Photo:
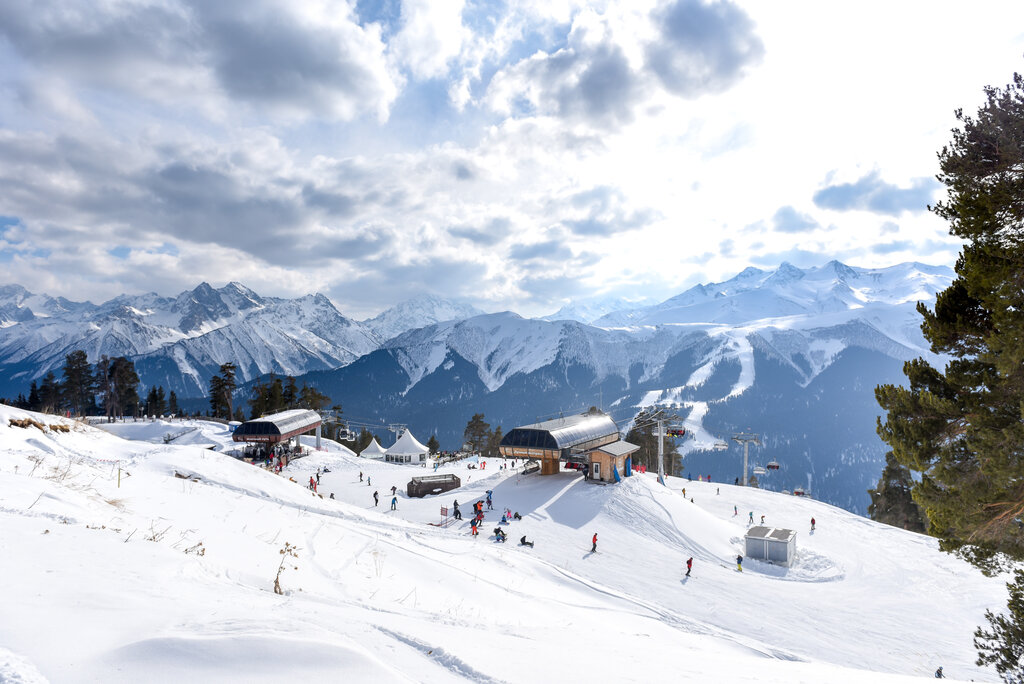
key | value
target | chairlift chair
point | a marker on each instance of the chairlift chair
(758, 470)
(772, 465)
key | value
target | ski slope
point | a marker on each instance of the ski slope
(106, 583)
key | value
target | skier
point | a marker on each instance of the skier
(490, 505)
(593, 549)
(689, 566)
(739, 563)
(375, 497)
(318, 476)
(394, 502)
(367, 480)
(751, 521)
(735, 511)
(393, 490)
(684, 492)
(523, 542)
(812, 529)
(762, 520)
(939, 675)
(472, 524)
(360, 475)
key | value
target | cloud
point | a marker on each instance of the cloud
(278, 57)
(703, 47)
(550, 250)
(789, 220)
(871, 193)
(431, 36)
(607, 69)
(894, 246)
(493, 232)
(602, 211)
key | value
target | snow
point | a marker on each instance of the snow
(103, 582)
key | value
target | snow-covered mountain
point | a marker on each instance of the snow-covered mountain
(177, 342)
(791, 354)
(590, 310)
(418, 312)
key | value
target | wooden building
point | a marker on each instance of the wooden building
(609, 461)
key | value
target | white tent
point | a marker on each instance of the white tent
(407, 450)
(373, 450)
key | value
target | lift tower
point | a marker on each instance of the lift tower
(745, 438)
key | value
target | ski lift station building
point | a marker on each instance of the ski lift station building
(279, 427)
(772, 544)
(591, 438)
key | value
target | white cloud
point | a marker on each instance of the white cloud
(431, 36)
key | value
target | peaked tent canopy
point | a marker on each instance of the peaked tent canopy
(373, 450)
(407, 450)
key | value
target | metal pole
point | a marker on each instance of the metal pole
(661, 451)
(745, 439)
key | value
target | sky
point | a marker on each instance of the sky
(513, 155)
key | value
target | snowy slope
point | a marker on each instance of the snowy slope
(112, 576)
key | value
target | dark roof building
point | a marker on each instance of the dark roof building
(277, 427)
(559, 439)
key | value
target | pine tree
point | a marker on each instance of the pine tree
(891, 500)
(476, 433)
(33, 397)
(78, 383)
(172, 404)
(311, 398)
(493, 442)
(222, 389)
(962, 429)
(49, 393)
(1003, 645)
(291, 393)
(433, 446)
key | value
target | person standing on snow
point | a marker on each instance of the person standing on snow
(735, 511)
(751, 521)
(393, 488)
(593, 549)
(457, 513)
(375, 497)
(689, 566)
(739, 563)
(394, 502)
(312, 483)
(812, 529)
(360, 475)
(762, 520)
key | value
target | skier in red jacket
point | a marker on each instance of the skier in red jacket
(593, 548)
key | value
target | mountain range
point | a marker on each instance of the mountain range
(791, 354)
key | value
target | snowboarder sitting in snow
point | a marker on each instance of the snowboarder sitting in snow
(499, 534)
(523, 542)
(517, 516)
(939, 675)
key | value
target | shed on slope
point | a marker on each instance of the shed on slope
(772, 544)
(407, 450)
